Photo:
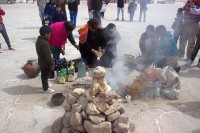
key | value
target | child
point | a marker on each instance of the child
(44, 56)
(178, 24)
(59, 15)
(103, 9)
(131, 8)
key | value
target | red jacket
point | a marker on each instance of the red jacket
(2, 13)
(59, 35)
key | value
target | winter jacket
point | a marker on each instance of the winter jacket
(59, 17)
(96, 5)
(50, 9)
(167, 46)
(73, 5)
(43, 52)
(150, 49)
(2, 13)
(120, 3)
(132, 7)
(143, 4)
(58, 36)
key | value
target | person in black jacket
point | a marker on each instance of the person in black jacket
(96, 8)
(93, 44)
(49, 10)
(120, 7)
(59, 15)
(73, 10)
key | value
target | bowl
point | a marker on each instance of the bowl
(57, 99)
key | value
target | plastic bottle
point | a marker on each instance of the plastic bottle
(81, 69)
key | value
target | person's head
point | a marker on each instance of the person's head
(93, 24)
(45, 31)
(150, 29)
(161, 31)
(69, 26)
(110, 28)
(58, 8)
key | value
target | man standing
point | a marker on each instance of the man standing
(41, 5)
(96, 7)
(44, 56)
(143, 9)
(190, 29)
(3, 30)
(120, 7)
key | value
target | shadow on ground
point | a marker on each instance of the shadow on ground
(23, 77)
(30, 39)
(189, 108)
(47, 129)
(23, 90)
(195, 73)
(196, 131)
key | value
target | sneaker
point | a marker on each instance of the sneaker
(122, 19)
(198, 65)
(117, 19)
(189, 63)
(11, 49)
(49, 90)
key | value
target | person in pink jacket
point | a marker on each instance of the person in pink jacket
(60, 32)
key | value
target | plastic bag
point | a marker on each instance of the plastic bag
(152, 72)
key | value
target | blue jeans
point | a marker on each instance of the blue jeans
(73, 16)
(5, 35)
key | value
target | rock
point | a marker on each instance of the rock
(82, 100)
(70, 99)
(113, 116)
(89, 97)
(97, 119)
(57, 125)
(84, 82)
(76, 119)
(113, 108)
(78, 92)
(122, 110)
(123, 119)
(66, 119)
(109, 95)
(100, 104)
(91, 109)
(68, 107)
(79, 128)
(122, 128)
(104, 127)
(76, 108)
(84, 115)
(65, 130)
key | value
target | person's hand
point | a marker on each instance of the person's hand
(63, 51)
(76, 46)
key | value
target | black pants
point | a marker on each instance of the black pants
(195, 50)
(44, 77)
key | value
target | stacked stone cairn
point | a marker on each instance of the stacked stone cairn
(96, 110)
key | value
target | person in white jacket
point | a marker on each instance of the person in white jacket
(41, 5)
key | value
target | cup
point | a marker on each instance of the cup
(128, 98)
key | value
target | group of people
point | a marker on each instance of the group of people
(186, 30)
(97, 8)
(97, 45)
(54, 11)
(158, 45)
